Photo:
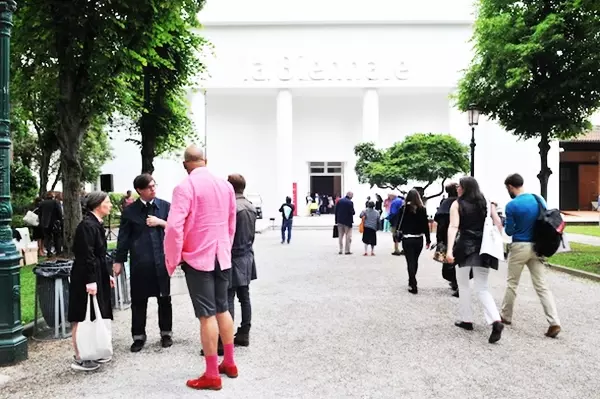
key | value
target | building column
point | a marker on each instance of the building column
(197, 100)
(285, 129)
(371, 116)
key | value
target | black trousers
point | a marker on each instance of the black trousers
(139, 312)
(52, 237)
(243, 294)
(412, 250)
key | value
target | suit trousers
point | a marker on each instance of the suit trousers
(345, 237)
(139, 312)
(243, 294)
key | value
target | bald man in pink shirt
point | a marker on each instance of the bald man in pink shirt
(199, 235)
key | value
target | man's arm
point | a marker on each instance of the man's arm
(509, 224)
(174, 232)
(123, 239)
(232, 215)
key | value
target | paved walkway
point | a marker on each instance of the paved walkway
(329, 326)
(584, 239)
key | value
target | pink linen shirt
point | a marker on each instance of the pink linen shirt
(201, 223)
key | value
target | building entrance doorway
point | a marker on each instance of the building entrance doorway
(325, 180)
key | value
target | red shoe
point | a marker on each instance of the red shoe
(230, 370)
(205, 383)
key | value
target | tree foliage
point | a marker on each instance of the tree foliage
(421, 157)
(536, 69)
(170, 61)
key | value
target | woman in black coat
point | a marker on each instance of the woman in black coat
(90, 275)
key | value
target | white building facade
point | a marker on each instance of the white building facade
(292, 90)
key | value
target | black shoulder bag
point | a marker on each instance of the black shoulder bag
(398, 235)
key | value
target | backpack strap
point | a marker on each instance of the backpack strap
(540, 203)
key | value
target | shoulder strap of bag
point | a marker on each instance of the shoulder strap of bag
(88, 314)
(401, 217)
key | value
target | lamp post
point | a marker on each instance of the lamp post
(473, 121)
(13, 345)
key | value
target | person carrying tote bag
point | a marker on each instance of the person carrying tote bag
(90, 278)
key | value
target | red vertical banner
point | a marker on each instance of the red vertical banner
(295, 197)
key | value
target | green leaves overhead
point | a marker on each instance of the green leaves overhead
(536, 68)
(420, 157)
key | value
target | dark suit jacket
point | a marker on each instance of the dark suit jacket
(149, 277)
(344, 212)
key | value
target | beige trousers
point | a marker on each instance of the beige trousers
(345, 235)
(522, 254)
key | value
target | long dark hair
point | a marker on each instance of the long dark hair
(472, 194)
(414, 201)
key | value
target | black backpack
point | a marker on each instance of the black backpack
(548, 230)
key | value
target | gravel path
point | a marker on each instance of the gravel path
(329, 326)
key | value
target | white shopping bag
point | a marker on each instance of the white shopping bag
(564, 245)
(492, 242)
(31, 219)
(94, 338)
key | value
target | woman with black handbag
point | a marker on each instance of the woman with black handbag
(467, 218)
(412, 226)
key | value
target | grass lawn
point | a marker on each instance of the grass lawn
(27, 294)
(582, 257)
(585, 230)
(28, 288)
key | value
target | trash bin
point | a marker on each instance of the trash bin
(47, 274)
(120, 297)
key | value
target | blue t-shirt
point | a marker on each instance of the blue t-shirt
(395, 207)
(521, 214)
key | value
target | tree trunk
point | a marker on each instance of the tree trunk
(58, 177)
(545, 171)
(71, 166)
(147, 130)
(43, 173)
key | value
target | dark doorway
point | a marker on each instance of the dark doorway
(569, 186)
(322, 185)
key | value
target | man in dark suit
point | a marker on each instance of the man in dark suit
(344, 215)
(142, 234)
(51, 216)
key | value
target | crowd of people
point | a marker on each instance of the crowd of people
(209, 229)
(460, 220)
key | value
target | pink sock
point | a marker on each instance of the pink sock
(212, 366)
(228, 354)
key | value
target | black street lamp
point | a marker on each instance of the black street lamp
(473, 121)
(13, 345)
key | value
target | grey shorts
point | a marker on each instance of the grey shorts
(208, 290)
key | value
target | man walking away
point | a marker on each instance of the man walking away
(344, 215)
(394, 218)
(51, 216)
(142, 235)
(243, 267)
(287, 215)
(521, 215)
(199, 235)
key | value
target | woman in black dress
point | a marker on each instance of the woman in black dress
(90, 275)
(442, 218)
(465, 234)
(414, 224)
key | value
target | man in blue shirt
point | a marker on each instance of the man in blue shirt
(521, 215)
(394, 218)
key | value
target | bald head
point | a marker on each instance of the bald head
(193, 158)
(193, 154)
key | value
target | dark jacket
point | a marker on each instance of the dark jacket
(291, 206)
(243, 266)
(50, 213)
(149, 277)
(344, 212)
(442, 218)
(89, 246)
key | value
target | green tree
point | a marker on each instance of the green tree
(536, 69)
(84, 48)
(171, 60)
(421, 157)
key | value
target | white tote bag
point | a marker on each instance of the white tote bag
(492, 242)
(94, 338)
(31, 219)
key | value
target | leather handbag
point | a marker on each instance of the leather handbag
(440, 252)
(398, 235)
(336, 232)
